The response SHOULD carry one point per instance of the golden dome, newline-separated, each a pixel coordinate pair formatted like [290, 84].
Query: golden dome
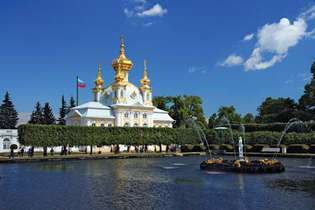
[99, 81]
[145, 81]
[122, 63]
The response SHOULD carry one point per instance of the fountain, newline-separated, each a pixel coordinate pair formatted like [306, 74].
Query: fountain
[241, 164]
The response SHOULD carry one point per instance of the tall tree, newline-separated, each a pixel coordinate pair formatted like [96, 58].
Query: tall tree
[71, 105]
[37, 115]
[8, 114]
[248, 118]
[163, 102]
[184, 107]
[230, 113]
[307, 101]
[277, 110]
[62, 111]
[72, 102]
[48, 116]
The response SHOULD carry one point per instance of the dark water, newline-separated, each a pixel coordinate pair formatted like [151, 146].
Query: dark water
[157, 183]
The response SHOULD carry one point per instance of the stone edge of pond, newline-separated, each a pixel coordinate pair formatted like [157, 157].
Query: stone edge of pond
[26, 159]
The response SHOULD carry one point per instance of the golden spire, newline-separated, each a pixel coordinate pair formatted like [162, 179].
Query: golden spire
[122, 64]
[145, 81]
[99, 81]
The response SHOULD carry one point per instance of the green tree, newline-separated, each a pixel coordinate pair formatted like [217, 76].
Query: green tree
[248, 118]
[307, 100]
[71, 105]
[72, 102]
[62, 111]
[8, 114]
[162, 102]
[230, 113]
[277, 110]
[48, 116]
[184, 107]
[37, 115]
[212, 120]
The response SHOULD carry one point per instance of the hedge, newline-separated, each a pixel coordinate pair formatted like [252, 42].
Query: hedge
[55, 135]
[275, 127]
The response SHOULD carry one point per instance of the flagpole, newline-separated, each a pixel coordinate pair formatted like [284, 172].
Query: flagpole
[77, 82]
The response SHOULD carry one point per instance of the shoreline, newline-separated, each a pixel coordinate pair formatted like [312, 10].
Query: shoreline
[41, 158]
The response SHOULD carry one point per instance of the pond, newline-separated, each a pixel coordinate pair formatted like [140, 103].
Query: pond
[155, 183]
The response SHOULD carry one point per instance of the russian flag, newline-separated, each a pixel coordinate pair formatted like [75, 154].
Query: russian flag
[81, 84]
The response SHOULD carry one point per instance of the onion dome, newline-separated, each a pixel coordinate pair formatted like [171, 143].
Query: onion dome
[122, 63]
[99, 82]
[145, 81]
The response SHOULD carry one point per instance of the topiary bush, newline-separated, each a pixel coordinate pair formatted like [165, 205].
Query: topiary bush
[298, 148]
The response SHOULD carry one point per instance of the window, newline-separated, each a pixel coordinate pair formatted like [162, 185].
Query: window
[144, 116]
[126, 125]
[110, 125]
[145, 125]
[102, 125]
[93, 124]
[126, 115]
[6, 144]
[121, 93]
[135, 125]
[136, 115]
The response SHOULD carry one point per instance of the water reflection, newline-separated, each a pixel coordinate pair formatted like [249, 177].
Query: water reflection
[307, 185]
[145, 184]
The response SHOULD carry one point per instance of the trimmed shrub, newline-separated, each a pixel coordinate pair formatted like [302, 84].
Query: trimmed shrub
[227, 147]
[198, 148]
[298, 148]
[214, 147]
[186, 148]
[259, 147]
[312, 148]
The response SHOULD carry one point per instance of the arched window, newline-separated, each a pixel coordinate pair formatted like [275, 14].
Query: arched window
[144, 115]
[136, 115]
[145, 125]
[6, 144]
[135, 125]
[126, 125]
[126, 115]
[109, 125]
[93, 124]
[102, 125]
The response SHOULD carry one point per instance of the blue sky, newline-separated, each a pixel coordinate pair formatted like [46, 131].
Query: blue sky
[192, 47]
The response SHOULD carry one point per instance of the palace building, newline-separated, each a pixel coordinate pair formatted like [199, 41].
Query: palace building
[121, 103]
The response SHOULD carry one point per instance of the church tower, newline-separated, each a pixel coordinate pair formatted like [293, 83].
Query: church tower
[122, 66]
[145, 87]
[99, 82]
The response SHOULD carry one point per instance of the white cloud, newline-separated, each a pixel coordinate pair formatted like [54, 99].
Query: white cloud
[274, 40]
[195, 69]
[232, 60]
[128, 12]
[148, 24]
[248, 37]
[140, 1]
[156, 10]
[308, 14]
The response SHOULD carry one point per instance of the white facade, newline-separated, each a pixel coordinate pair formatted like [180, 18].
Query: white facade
[120, 104]
[7, 138]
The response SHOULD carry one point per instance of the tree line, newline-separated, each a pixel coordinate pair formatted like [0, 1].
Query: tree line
[271, 110]
[45, 116]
